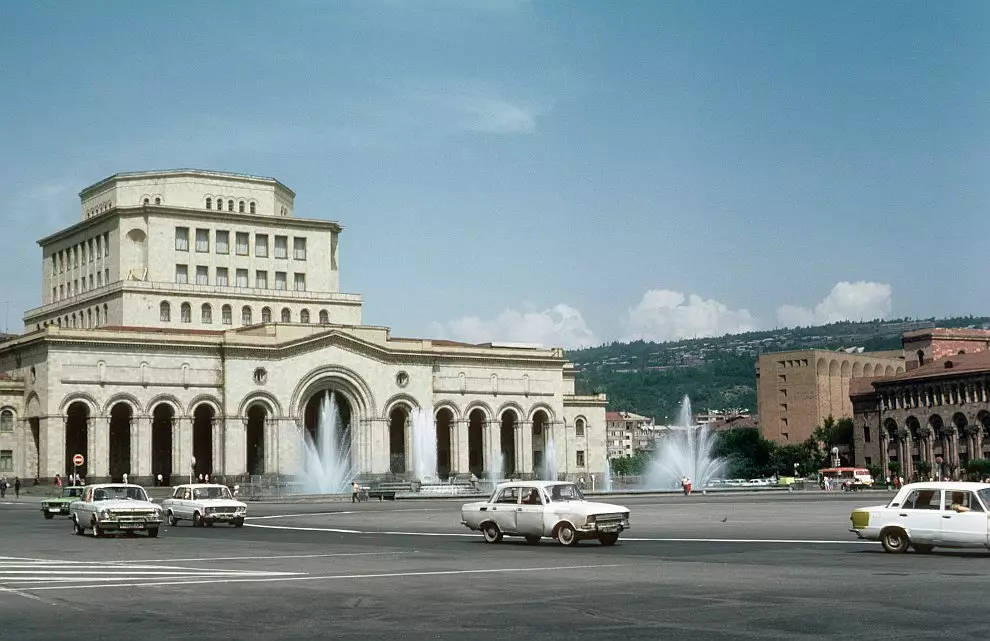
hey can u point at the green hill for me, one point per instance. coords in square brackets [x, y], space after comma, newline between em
[720, 373]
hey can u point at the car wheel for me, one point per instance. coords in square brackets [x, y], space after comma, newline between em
[97, 532]
[49, 516]
[152, 532]
[171, 519]
[532, 540]
[78, 529]
[492, 533]
[197, 520]
[566, 534]
[894, 540]
[238, 522]
[608, 538]
[922, 549]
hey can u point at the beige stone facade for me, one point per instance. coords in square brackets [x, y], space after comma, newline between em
[134, 373]
[798, 390]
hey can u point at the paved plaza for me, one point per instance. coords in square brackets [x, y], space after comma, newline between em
[746, 566]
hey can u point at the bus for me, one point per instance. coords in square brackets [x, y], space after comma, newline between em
[849, 478]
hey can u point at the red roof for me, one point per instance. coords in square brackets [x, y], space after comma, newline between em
[947, 367]
[613, 416]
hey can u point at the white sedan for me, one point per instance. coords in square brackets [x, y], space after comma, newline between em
[925, 515]
[204, 504]
[537, 509]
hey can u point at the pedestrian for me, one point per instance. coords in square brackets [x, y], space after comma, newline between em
[58, 480]
[684, 487]
[355, 488]
[206, 478]
[687, 487]
[159, 479]
[125, 478]
[3, 487]
[17, 487]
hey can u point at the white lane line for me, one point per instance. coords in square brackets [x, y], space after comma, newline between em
[33, 597]
[292, 516]
[328, 577]
[252, 558]
[664, 540]
[118, 570]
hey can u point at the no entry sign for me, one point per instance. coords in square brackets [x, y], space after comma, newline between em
[77, 459]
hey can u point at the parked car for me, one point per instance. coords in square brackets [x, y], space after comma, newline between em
[204, 504]
[536, 509]
[115, 507]
[60, 504]
[925, 515]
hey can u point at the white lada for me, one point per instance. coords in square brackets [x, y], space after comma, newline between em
[115, 507]
[537, 509]
[204, 504]
[925, 515]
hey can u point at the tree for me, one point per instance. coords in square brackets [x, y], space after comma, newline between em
[978, 468]
[895, 468]
[748, 454]
[924, 469]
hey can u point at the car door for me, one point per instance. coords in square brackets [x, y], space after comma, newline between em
[503, 509]
[921, 514]
[965, 525]
[529, 514]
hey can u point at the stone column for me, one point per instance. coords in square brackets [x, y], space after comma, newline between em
[98, 466]
[141, 432]
[486, 443]
[181, 449]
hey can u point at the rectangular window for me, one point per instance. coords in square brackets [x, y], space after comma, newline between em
[223, 242]
[202, 275]
[182, 274]
[99, 279]
[580, 458]
[866, 433]
[61, 292]
[6, 460]
[242, 279]
[106, 245]
[181, 239]
[280, 282]
[75, 257]
[221, 276]
[82, 250]
[90, 244]
[261, 279]
[281, 247]
[91, 281]
[261, 245]
[106, 276]
[299, 282]
[299, 248]
[75, 286]
[54, 293]
[242, 243]
[203, 240]
[99, 247]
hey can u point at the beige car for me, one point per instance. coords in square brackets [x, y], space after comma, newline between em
[552, 509]
[115, 507]
[204, 504]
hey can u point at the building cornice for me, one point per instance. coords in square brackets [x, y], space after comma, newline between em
[179, 173]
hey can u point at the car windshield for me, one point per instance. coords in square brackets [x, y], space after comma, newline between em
[119, 493]
[216, 492]
[984, 494]
[565, 492]
[69, 492]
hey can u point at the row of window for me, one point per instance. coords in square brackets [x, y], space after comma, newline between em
[227, 317]
[6, 421]
[242, 241]
[6, 460]
[252, 207]
[240, 278]
[84, 318]
[79, 285]
[89, 250]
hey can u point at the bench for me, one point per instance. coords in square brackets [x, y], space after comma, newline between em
[381, 495]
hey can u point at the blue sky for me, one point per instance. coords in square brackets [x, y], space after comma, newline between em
[562, 173]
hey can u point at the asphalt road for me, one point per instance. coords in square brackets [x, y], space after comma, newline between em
[699, 567]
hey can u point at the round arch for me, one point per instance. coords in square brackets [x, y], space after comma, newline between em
[479, 405]
[342, 380]
[551, 415]
[447, 405]
[514, 407]
[204, 399]
[81, 397]
[821, 366]
[130, 399]
[167, 399]
[845, 369]
[32, 406]
[260, 398]
[857, 369]
[833, 367]
[397, 400]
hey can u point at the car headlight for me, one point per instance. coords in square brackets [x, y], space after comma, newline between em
[207, 510]
[157, 513]
[241, 510]
[591, 520]
[105, 514]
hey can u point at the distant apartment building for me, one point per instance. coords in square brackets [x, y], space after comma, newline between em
[628, 433]
[798, 390]
[719, 420]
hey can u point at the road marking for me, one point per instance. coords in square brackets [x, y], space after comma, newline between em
[459, 534]
[252, 558]
[329, 577]
[292, 516]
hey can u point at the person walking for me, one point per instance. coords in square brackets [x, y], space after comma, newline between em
[17, 487]
[3, 487]
[355, 488]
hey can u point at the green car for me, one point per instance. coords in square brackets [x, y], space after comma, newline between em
[60, 504]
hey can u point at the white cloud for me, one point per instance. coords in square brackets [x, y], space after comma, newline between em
[559, 326]
[664, 315]
[472, 106]
[861, 300]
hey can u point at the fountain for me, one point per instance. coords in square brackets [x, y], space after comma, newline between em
[607, 479]
[327, 459]
[498, 463]
[549, 471]
[686, 450]
[424, 447]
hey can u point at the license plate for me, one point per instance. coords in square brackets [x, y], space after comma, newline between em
[54, 509]
[608, 528]
[131, 526]
[222, 516]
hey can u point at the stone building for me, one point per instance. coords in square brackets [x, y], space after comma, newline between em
[798, 390]
[931, 419]
[628, 433]
[190, 315]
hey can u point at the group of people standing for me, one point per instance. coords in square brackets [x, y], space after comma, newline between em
[5, 485]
